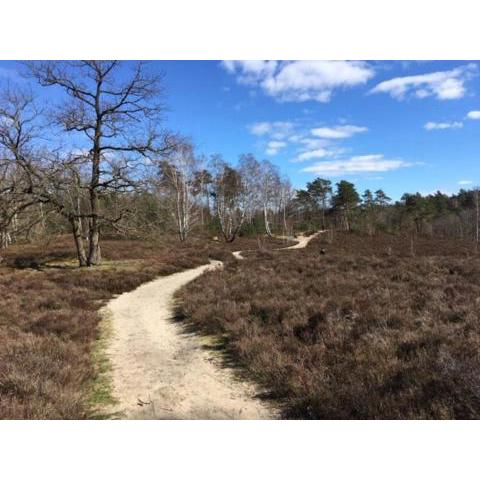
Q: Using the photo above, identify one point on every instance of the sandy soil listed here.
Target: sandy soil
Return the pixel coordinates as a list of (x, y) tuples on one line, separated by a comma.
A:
[(162, 372), (302, 241)]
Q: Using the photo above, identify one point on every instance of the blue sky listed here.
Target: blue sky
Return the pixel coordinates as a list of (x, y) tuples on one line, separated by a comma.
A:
[(402, 126)]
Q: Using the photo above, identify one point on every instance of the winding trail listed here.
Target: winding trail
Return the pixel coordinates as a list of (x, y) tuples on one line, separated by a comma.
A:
[(302, 242), (161, 372)]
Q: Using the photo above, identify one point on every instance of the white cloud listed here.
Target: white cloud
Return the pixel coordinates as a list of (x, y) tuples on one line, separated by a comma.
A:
[(442, 125), (299, 81), (295, 138), (250, 71), (277, 130), (474, 115), (340, 131), (309, 144), (355, 165), (319, 153), (314, 143), (444, 85), (274, 146), (331, 152), (259, 128), (465, 182)]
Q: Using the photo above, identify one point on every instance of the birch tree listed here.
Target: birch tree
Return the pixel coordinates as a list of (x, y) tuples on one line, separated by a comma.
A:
[(250, 171), (231, 198), (269, 183), (178, 175), (286, 196)]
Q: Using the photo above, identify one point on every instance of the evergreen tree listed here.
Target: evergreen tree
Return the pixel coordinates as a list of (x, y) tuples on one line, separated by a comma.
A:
[(319, 190), (381, 198), (345, 200), (367, 199)]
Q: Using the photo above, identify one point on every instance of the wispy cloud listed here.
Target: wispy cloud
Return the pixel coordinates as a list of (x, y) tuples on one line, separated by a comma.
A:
[(308, 155), (442, 125), (465, 182), (446, 85), (331, 152), (274, 146), (300, 81), (309, 143), (277, 130), (474, 115), (355, 165), (337, 132)]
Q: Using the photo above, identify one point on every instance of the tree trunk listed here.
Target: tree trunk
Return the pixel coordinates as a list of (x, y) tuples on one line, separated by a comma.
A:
[(4, 239), (267, 224), (323, 214), (94, 255), (346, 219), (77, 236), (94, 252)]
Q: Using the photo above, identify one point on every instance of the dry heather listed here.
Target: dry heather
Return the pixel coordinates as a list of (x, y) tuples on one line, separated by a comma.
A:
[(364, 331), (49, 319)]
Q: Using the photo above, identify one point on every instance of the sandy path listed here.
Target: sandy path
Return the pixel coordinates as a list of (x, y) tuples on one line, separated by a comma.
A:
[(161, 372), (303, 241)]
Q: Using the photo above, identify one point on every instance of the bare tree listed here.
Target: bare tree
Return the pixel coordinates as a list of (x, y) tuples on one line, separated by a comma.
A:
[(115, 111), (178, 175), (17, 130), (231, 198), (286, 193), (249, 169), (13, 201), (202, 183), (44, 174), (269, 188)]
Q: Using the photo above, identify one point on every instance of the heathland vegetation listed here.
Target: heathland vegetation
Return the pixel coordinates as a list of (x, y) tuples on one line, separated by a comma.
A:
[(376, 318)]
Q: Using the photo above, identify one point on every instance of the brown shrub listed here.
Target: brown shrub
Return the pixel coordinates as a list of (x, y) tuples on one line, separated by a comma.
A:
[(359, 332), (49, 319)]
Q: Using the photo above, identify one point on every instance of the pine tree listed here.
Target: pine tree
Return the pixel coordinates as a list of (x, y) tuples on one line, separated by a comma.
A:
[(319, 190), (345, 200)]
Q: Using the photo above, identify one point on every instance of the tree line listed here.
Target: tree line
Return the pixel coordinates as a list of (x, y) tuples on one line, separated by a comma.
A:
[(438, 214), (100, 162)]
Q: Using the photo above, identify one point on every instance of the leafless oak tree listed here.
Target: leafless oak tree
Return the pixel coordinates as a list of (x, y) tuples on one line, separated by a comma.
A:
[(17, 130), (115, 110)]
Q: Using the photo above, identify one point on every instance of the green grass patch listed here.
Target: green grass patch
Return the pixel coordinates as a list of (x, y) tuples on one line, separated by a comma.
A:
[(101, 399)]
